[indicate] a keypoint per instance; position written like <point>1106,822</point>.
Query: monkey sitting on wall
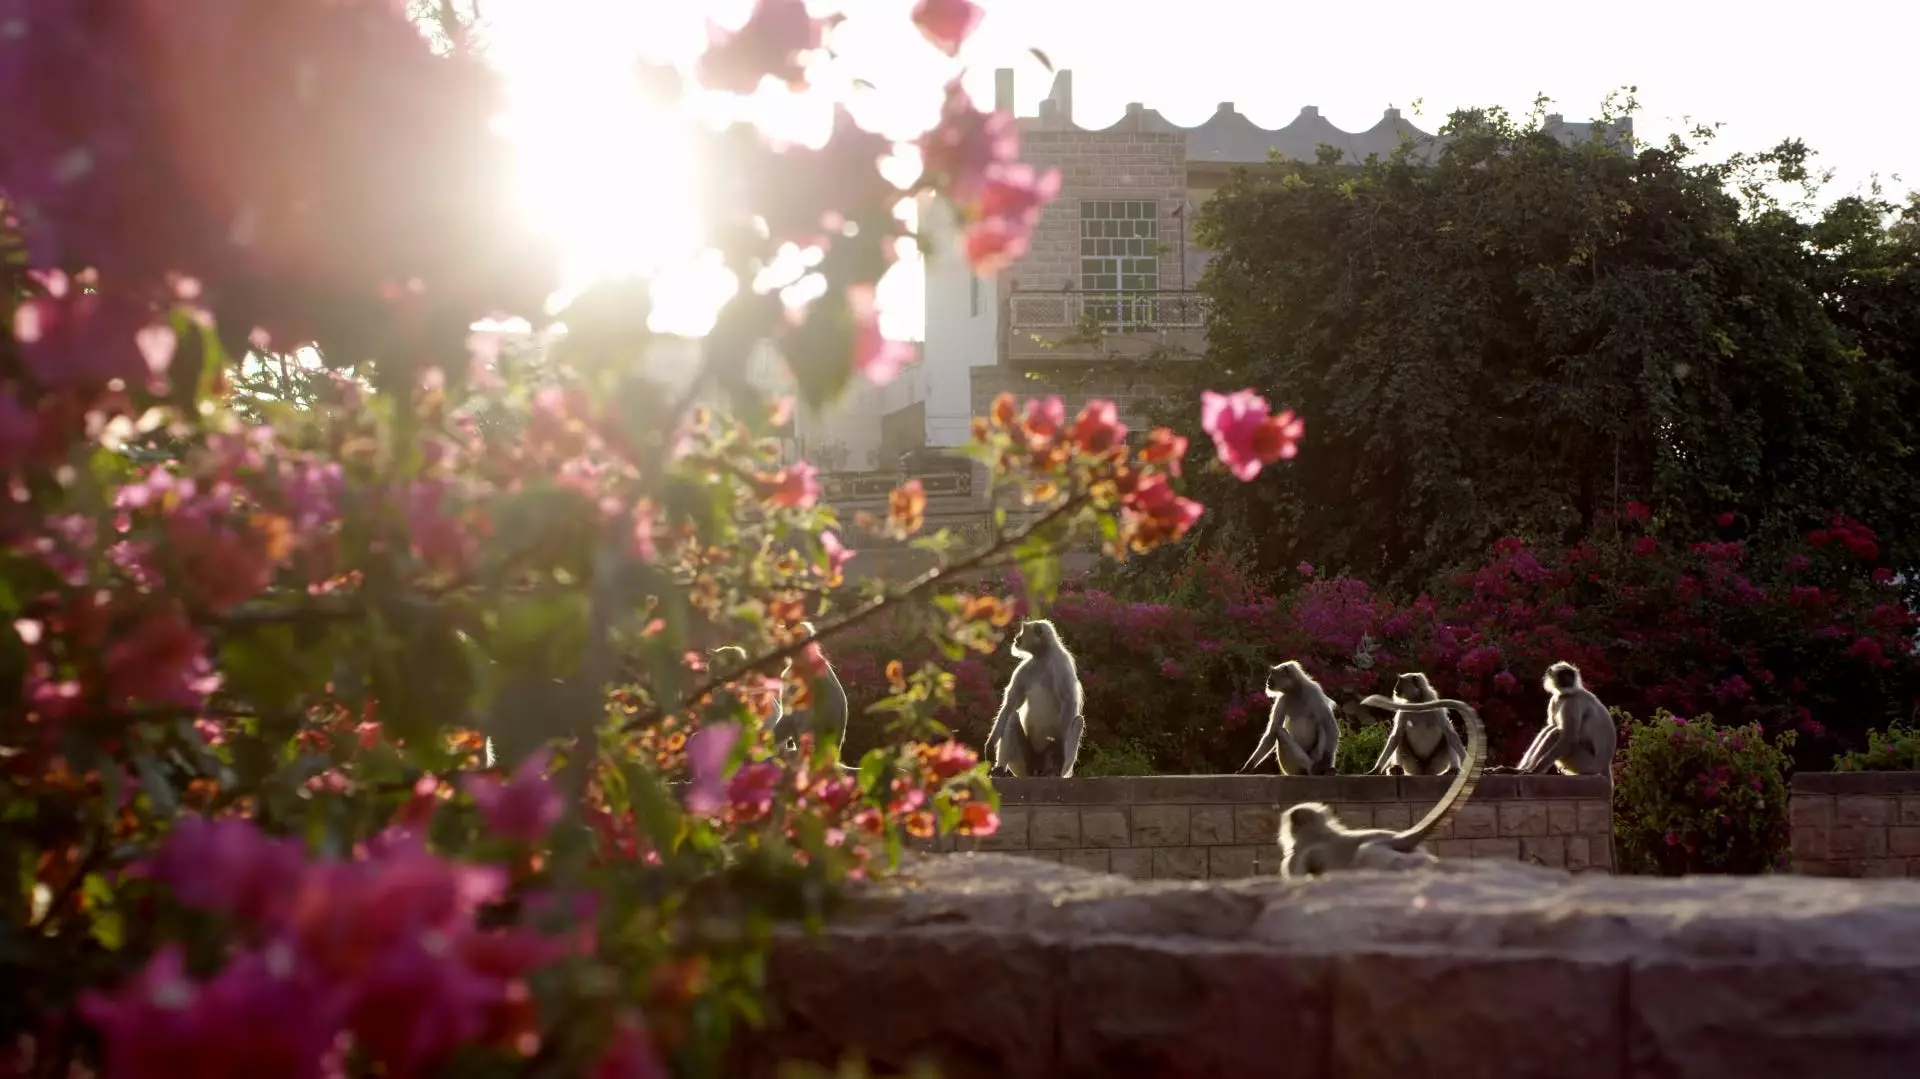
<point>1037,732</point>
<point>1579,738</point>
<point>1313,841</point>
<point>1301,733</point>
<point>825,716</point>
<point>1421,743</point>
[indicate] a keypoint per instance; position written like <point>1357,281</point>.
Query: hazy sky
<point>1841,75</point>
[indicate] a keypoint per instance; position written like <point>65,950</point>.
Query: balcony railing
<point>1108,312</point>
<point>1083,325</point>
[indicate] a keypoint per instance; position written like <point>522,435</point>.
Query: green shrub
<point>1896,749</point>
<point>1121,757</point>
<point>1359,746</point>
<point>1692,796</point>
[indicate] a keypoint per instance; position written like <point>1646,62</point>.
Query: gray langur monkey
<point>1579,738</point>
<point>1313,841</point>
<point>825,716</point>
<point>738,655</point>
<point>1037,732</point>
<point>1301,731</point>
<point>1421,743</point>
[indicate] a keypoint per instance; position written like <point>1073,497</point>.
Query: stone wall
<point>1856,824</point>
<point>986,965</point>
<point>1209,827</point>
<point>1116,163</point>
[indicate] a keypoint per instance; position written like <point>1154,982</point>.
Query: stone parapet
<point>1214,827</point>
<point>1856,824</point>
<point>988,965</point>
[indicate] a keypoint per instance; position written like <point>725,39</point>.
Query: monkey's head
<point>1562,677</point>
<point>1414,687</point>
<point>1035,636</point>
<point>1305,823</point>
<point>1283,678</point>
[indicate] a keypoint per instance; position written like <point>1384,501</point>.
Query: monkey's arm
<point>1070,744</point>
<point>1545,750</point>
<point>1266,745</point>
<point>1387,751</point>
<point>1455,748</point>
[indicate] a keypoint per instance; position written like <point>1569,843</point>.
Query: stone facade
<point>1223,827</point>
<point>1115,164</point>
<point>985,965</point>
<point>1856,824</point>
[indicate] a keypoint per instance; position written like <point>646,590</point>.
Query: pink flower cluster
<point>385,956</point>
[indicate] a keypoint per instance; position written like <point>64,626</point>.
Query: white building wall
<point>963,327</point>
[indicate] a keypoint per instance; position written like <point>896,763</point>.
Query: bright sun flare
<point>607,172</point>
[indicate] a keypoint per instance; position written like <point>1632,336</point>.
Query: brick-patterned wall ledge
<point>1204,827</point>
<point>1856,824</point>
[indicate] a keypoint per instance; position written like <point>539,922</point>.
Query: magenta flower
<point>947,23</point>
<point>523,807</point>
<point>229,867</point>
<point>707,754</point>
<point>1245,435</point>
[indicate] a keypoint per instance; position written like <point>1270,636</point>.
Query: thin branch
<point>984,559</point>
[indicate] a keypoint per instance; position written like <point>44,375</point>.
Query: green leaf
<point>154,782</point>
<point>542,633</point>
<point>873,771</point>
<point>108,926</point>
<point>1039,567</point>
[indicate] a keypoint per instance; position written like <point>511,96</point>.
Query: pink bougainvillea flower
<point>1636,511</point>
<point>1165,448</point>
<point>876,357</point>
<point>629,1054</point>
<point>1098,428</point>
<point>163,661</point>
<point>1245,435</point>
<point>1042,421</point>
<point>750,791</point>
<point>1645,545</point>
<point>793,486</point>
<point>230,867</point>
<point>838,555</point>
<point>950,758</point>
<point>769,43</point>
<point>707,760</point>
<point>959,150</point>
<point>947,23</point>
<point>1725,520</point>
<point>264,1014</point>
<point>522,808</point>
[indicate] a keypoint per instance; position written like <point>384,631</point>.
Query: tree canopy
<point>1525,336</point>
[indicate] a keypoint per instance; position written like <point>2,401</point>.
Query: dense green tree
<point>1524,336</point>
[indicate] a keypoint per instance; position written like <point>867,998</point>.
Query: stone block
<point>1140,1007</point>
<point>1602,850</point>
<point>1845,843</point>
<point>1809,843</point>
<point>1256,824</point>
<point>1135,862</point>
<point>1230,862</point>
<point>1039,855</point>
<point>1354,814</point>
<point>1475,821</point>
<point>1211,825</point>
<point>1579,852</point>
<point>1904,842</point>
<point>1810,811</point>
<point>1595,816</point>
<point>1548,850</point>
<point>1395,815</point>
<point>1863,811</point>
<point>1910,809</point>
<point>1052,829</point>
<point>1518,819</point>
<point>1105,828</point>
<point>1096,860</point>
<point>1179,863</point>
<point>1451,848</point>
<point>1160,825</point>
<point>1883,867</point>
<point>1563,818</point>
<point>1012,833</point>
<point>1573,1010</point>
<point>1507,849</point>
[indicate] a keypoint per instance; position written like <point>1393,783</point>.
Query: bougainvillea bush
<point>363,713</point>
<point>1818,642</point>
<point>1896,749</point>
<point>1694,796</point>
